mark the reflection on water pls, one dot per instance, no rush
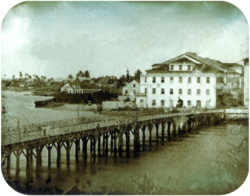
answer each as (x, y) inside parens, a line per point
(212, 161)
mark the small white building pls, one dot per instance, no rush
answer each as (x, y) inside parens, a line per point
(131, 88)
(77, 89)
(188, 77)
(130, 91)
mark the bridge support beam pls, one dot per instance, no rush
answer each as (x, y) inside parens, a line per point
(156, 128)
(8, 162)
(112, 141)
(120, 142)
(115, 138)
(84, 146)
(107, 142)
(150, 128)
(179, 129)
(49, 147)
(136, 129)
(39, 157)
(27, 158)
(17, 155)
(92, 145)
(175, 126)
(99, 145)
(127, 140)
(143, 134)
(169, 127)
(163, 124)
(77, 147)
(58, 149)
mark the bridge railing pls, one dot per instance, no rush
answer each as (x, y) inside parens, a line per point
(12, 135)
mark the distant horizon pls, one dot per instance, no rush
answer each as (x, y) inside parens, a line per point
(5, 77)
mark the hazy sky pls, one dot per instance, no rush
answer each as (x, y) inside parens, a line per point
(56, 39)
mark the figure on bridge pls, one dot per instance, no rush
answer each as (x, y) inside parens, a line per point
(180, 103)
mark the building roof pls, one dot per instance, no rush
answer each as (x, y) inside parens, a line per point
(233, 65)
(88, 86)
(210, 64)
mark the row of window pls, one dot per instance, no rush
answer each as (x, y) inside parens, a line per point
(189, 92)
(189, 103)
(180, 67)
(180, 80)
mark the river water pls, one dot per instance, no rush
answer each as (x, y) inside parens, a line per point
(212, 160)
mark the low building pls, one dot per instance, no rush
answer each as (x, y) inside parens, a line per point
(129, 91)
(131, 88)
(188, 77)
(76, 88)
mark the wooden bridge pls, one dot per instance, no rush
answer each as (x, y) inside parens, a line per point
(103, 135)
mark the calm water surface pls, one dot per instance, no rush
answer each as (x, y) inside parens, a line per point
(213, 160)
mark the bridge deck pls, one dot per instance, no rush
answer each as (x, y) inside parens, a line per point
(32, 132)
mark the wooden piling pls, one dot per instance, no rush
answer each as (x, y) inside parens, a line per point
(169, 127)
(136, 139)
(127, 140)
(120, 142)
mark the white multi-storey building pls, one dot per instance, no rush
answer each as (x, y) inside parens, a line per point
(188, 77)
(246, 82)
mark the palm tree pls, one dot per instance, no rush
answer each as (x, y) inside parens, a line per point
(79, 74)
(20, 74)
(137, 74)
(87, 74)
(70, 77)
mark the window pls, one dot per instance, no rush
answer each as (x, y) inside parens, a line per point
(198, 103)
(126, 92)
(189, 91)
(162, 79)
(133, 85)
(189, 103)
(145, 79)
(162, 102)
(198, 80)
(154, 79)
(189, 80)
(146, 90)
(154, 90)
(171, 80)
(219, 79)
(180, 91)
(207, 92)
(171, 91)
(208, 80)
(153, 102)
(198, 91)
(180, 79)
(189, 67)
(180, 67)
(162, 91)
(172, 67)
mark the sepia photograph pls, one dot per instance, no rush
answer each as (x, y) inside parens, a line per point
(124, 98)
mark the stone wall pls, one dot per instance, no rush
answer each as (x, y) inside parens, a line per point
(111, 105)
